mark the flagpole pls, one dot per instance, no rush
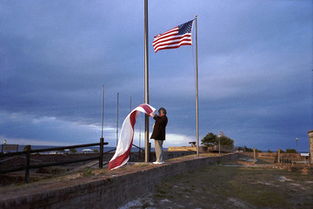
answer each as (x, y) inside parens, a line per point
(197, 85)
(146, 79)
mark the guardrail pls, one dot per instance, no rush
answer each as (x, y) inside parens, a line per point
(27, 152)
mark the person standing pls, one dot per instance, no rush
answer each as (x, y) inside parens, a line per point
(158, 134)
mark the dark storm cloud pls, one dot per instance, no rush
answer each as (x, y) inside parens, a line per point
(255, 68)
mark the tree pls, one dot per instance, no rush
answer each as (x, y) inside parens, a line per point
(73, 150)
(211, 139)
(248, 149)
(95, 150)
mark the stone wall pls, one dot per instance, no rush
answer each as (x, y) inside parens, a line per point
(107, 193)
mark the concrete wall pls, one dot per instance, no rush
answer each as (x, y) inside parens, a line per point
(107, 193)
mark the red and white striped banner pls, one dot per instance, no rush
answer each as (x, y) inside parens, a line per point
(125, 142)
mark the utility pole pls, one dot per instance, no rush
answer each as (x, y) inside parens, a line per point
(146, 78)
(102, 112)
(219, 145)
(297, 139)
(254, 154)
(219, 136)
(117, 115)
(102, 125)
(130, 103)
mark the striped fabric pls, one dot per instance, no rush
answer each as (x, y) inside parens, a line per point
(125, 143)
(174, 38)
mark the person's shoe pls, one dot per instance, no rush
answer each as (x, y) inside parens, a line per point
(158, 163)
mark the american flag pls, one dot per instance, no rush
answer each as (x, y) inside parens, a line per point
(174, 38)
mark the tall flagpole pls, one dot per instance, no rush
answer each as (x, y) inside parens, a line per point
(197, 86)
(146, 79)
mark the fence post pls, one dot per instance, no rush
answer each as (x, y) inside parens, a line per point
(27, 163)
(278, 156)
(101, 153)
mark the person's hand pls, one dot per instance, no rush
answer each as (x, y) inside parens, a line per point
(152, 114)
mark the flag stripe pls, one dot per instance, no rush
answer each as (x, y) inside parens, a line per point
(187, 40)
(173, 46)
(167, 32)
(165, 36)
(172, 38)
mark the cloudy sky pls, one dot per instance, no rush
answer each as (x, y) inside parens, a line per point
(255, 69)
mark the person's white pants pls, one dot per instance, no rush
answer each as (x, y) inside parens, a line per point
(158, 150)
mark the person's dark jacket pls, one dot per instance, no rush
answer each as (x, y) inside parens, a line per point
(159, 127)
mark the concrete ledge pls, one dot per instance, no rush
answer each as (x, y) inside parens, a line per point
(102, 192)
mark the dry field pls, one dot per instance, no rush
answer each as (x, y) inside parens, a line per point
(232, 186)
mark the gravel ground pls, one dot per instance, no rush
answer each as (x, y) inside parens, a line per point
(229, 187)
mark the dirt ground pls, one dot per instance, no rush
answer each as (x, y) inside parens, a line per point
(232, 186)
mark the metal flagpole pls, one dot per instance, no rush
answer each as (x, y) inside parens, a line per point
(117, 115)
(197, 86)
(146, 79)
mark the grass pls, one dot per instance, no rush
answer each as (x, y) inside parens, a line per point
(241, 187)
(87, 172)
